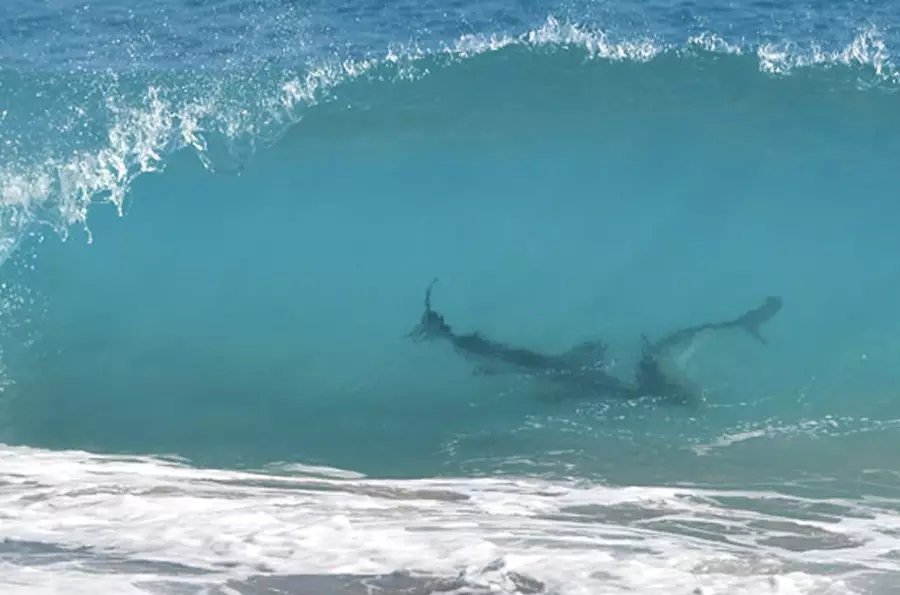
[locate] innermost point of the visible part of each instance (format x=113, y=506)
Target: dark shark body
x=582, y=367
x=651, y=371
x=750, y=322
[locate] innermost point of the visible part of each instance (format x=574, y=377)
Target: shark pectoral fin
x=414, y=335
x=753, y=331
x=588, y=353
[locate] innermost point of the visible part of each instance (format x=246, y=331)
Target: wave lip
x=867, y=49
x=149, y=119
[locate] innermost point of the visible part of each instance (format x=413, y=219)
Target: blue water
x=218, y=220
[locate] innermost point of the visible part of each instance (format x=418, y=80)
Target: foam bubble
x=149, y=521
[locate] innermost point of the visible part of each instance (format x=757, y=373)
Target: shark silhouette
x=582, y=368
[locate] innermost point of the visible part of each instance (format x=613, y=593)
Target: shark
x=751, y=322
x=583, y=368
x=657, y=368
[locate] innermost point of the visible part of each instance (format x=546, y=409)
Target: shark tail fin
x=431, y=322
x=751, y=321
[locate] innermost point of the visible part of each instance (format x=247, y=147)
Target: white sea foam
x=148, y=525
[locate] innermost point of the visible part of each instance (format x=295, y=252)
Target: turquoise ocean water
x=218, y=221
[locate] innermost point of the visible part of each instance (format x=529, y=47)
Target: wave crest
x=147, y=119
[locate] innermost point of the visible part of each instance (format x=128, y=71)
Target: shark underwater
x=582, y=369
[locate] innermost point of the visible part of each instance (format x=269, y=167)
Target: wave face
x=216, y=232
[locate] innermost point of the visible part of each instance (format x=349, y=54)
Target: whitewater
x=217, y=222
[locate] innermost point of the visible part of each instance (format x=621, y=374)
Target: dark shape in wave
x=581, y=369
